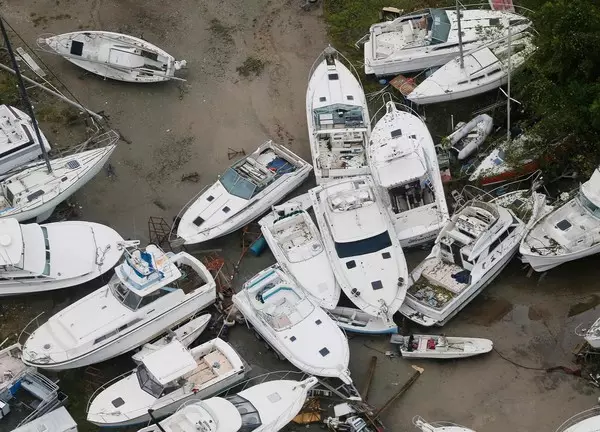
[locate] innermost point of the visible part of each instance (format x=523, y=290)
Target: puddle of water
x=590, y=303
x=487, y=310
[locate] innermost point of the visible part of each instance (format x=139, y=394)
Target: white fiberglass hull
x=479, y=88
x=419, y=235
x=357, y=321
x=544, y=263
x=452, y=348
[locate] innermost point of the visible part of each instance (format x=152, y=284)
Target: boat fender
x=229, y=323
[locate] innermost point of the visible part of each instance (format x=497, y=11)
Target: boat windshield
x=589, y=205
x=237, y=185
x=249, y=414
x=9, y=196
x=364, y=246
x=127, y=297
x=441, y=26
x=147, y=382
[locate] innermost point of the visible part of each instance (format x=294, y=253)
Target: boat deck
x=210, y=367
x=440, y=273
x=296, y=238
x=340, y=150
x=9, y=368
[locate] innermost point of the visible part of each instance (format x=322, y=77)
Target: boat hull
x=544, y=263
x=357, y=321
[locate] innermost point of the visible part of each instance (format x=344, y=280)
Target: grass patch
x=9, y=90
x=220, y=30
x=251, y=66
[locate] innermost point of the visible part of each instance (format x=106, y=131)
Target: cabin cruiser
x=151, y=291
x=39, y=258
x=265, y=407
x=338, y=119
x=471, y=250
x=242, y=193
x=18, y=141
x=288, y=321
x=429, y=38
x=165, y=380
x=298, y=247
x=585, y=421
x=404, y=164
x=570, y=232
x=362, y=244
x=483, y=69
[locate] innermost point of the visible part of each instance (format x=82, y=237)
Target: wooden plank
x=30, y=62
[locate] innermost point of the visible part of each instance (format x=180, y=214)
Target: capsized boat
x=429, y=38
x=585, y=421
x=356, y=321
x=440, y=346
x=471, y=250
x=35, y=258
x=113, y=55
x=570, y=232
x=362, y=244
x=18, y=141
x=438, y=426
x=467, y=137
x=404, y=164
x=34, y=193
x=167, y=379
x=288, y=321
x=338, y=119
x=485, y=68
x=151, y=292
x=298, y=247
x=242, y=193
x=265, y=407
x=186, y=334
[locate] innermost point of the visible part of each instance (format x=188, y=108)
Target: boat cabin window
x=364, y=246
x=237, y=185
x=46, y=271
x=588, y=205
x=250, y=416
x=148, y=383
x=9, y=195
x=497, y=242
x=133, y=301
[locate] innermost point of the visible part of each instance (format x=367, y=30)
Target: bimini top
x=169, y=362
x=146, y=271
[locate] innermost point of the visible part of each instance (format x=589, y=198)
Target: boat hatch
x=210, y=198
x=563, y=225
x=324, y=352
x=198, y=221
x=76, y=48
x=35, y=195
x=377, y=285
x=396, y=133
x=333, y=77
x=72, y=164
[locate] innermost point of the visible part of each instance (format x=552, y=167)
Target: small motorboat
x=242, y=193
x=167, y=379
x=185, y=334
x=31, y=192
x=298, y=247
x=438, y=426
x=36, y=258
x=357, y=321
x=467, y=137
x=113, y=55
x=338, y=118
x=265, y=407
x=440, y=346
x=289, y=321
x=18, y=142
x=151, y=292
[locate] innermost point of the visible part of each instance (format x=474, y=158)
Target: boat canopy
x=441, y=26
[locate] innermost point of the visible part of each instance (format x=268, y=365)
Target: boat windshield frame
x=588, y=205
x=248, y=413
x=124, y=294
x=364, y=246
x=148, y=383
x=237, y=185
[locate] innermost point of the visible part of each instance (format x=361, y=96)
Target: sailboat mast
x=460, y=45
x=508, y=87
x=23, y=92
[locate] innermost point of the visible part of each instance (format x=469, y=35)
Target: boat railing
x=174, y=239
x=48, y=394
x=103, y=387
x=419, y=421
x=389, y=97
x=26, y=332
x=577, y=418
x=332, y=51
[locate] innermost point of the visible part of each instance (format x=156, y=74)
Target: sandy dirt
x=175, y=129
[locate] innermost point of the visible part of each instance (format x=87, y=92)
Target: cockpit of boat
x=296, y=238
x=351, y=200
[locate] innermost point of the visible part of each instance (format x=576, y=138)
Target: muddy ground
x=176, y=129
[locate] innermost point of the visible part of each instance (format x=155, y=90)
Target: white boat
x=484, y=69
x=472, y=249
x=298, y=247
x=150, y=292
x=289, y=321
x=34, y=193
x=338, y=119
x=440, y=346
x=185, y=334
x=568, y=233
x=362, y=245
x=18, y=142
x=592, y=335
x=11, y=366
x=113, y=55
x=404, y=164
x=166, y=379
x=35, y=258
x=357, y=321
x=265, y=407
x=429, y=38
x=467, y=137
x=242, y=193
x=440, y=426
x=585, y=421
x=58, y=420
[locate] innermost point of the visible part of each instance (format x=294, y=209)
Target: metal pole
x=53, y=93
x=24, y=93
x=508, y=88
x=371, y=372
x=460, y=46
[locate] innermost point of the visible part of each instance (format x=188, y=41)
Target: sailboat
x=113, y=55
x=338, y=119
x=404, y=165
